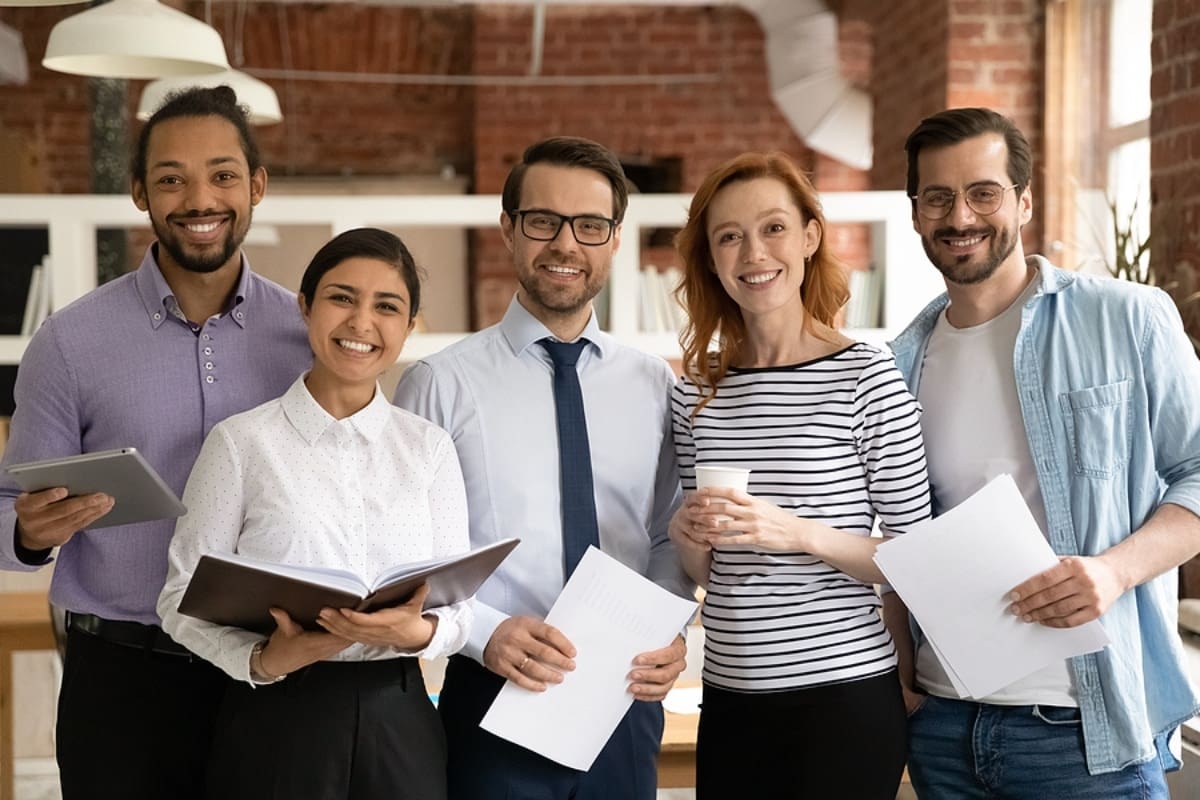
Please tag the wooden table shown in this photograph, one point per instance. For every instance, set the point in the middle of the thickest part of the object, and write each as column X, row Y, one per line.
column 677, row 758
column 24, row 625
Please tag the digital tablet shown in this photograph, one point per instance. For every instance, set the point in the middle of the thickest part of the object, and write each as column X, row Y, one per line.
column 139, row 493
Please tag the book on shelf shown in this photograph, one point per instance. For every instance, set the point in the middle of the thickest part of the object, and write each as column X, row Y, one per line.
column 659, row 311
column 865, row 307
column 37, row 298
column 232, row 589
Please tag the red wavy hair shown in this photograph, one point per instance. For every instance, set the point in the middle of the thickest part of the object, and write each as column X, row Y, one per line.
column 711, row 312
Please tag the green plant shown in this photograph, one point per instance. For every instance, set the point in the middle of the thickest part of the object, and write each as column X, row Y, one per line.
column 1132, row 260
column 1171, row 267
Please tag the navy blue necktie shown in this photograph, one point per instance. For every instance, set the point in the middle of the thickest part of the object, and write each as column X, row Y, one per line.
column 574, row 455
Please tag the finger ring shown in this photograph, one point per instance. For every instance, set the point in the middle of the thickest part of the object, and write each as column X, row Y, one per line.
column 524, row 661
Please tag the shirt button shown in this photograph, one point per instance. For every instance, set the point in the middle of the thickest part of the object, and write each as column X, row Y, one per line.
column 209, row 379
column 157, row 315
column 205, row 337
column 208, row 365
column 208, row 351
column 238, row 314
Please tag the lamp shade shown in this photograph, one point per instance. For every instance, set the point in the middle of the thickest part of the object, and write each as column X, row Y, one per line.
column 134, row 39
column 39, row 2
column 257, row 96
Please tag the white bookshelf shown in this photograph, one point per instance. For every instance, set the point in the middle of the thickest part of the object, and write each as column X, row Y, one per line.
column 72, row 221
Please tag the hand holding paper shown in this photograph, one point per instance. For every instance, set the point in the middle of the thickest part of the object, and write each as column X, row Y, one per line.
column 955, row 574
column 1076, row 590
column 611, row 615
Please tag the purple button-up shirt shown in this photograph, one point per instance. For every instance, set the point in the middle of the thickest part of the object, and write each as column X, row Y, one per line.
column 117, row 368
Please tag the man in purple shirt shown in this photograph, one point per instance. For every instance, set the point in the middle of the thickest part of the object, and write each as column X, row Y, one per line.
column 151, row 360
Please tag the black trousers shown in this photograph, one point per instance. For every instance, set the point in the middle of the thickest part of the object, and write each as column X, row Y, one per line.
column 134, row 724
column 486, row 767
column 843, row 740
column 332, row 731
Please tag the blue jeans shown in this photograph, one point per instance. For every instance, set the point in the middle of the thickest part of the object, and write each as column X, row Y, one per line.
column 961, row 750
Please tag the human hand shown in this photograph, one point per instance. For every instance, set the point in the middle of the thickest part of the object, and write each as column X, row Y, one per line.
column 1078, row 589
column 404, row 627
column 725, row 516
column 655, row 672
column 913, row 700
column 49, row 518
column 529, row 653
column 686, row 523
column 291, row 647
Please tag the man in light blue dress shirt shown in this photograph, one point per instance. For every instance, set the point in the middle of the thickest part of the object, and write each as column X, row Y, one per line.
column 493, row 392
column 1084, row 390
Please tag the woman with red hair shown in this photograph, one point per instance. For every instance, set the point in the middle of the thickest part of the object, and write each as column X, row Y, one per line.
column 800, row 672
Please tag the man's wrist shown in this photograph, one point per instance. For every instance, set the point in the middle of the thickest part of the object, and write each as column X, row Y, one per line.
column 28, row 555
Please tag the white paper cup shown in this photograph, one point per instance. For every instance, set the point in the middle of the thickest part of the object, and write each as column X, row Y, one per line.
column 723, row 477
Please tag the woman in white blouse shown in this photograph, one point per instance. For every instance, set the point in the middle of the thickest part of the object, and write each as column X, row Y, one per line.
column 331, row 474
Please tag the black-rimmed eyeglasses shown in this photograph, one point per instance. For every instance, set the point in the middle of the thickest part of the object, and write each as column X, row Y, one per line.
column 982, row 198
column 543, row 226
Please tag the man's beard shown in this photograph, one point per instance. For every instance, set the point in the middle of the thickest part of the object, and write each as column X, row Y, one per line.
column 960, row 270
column 559, row 299
column 208, row 260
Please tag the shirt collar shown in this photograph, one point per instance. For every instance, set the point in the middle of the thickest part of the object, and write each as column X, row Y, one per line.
column 521, row 329
column 311, row 420
column 155, row 292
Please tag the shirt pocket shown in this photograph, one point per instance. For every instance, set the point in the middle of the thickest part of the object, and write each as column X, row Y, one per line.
column 1098, row 430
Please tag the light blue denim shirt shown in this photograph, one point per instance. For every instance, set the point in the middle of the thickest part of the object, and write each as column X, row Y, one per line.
column 1109, row 388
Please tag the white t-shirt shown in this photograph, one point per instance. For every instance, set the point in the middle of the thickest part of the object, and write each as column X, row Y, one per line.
column 973, row 432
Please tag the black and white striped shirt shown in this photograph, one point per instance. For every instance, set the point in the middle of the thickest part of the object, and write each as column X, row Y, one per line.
column 837, row 439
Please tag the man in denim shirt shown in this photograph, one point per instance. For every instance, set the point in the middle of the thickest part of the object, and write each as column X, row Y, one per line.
column 1085, row 391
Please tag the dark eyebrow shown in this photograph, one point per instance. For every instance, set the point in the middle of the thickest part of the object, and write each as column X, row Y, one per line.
column 212, row 162
column 345, row 287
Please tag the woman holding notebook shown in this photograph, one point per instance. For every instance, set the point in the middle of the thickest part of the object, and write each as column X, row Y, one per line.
column 801, row 696
column 332, row 475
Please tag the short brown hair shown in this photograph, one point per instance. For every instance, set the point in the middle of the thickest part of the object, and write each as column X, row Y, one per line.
column 568, row 151
column 958, row 124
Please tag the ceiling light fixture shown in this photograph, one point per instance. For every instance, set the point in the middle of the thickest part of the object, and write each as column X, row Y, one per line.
column 134, row 39
column 257, row 96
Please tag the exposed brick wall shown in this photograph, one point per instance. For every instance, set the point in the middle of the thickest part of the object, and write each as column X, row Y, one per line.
column 909, row 81
column 359, row 128
column 52, row 109
column 1175, row 153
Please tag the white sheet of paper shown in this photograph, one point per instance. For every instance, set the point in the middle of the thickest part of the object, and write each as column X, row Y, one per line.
column 953, row 573
column 611, row 614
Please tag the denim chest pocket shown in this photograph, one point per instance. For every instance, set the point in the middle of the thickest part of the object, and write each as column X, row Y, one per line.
column 1097, row 421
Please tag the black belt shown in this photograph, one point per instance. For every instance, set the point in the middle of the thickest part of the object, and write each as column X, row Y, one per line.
column 127, row 634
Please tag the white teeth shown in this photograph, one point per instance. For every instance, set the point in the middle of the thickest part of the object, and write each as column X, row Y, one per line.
column 974, row 240
column 761, row 277
column 557, row 270
column 205, row 228
column 358, row 347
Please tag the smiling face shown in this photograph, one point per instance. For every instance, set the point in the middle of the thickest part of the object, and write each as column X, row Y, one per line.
column 199, row 192
column 357, row 324
column 967, row 247
column 560, row 277
column 759, row 240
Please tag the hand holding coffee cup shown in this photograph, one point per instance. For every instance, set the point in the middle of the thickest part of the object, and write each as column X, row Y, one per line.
column 717, row 476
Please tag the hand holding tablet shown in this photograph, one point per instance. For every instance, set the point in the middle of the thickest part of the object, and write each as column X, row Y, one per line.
column 138, row 493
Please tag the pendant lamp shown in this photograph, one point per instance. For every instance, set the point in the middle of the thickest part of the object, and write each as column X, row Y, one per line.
column 257, row 96
column 134, row 39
